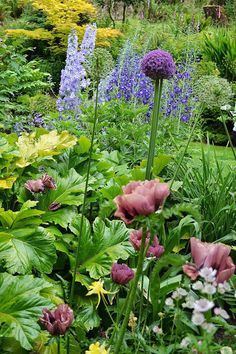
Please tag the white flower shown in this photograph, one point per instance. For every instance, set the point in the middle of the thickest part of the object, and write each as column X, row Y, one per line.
column 221, row 312
column 198, row 318
column 209, row 327
column 189, row 302
column 157, row 330
column 185, row 342
column 223, row 287
column 198, row 285
column 175, row 295
column 203, row 305
column 209, row 289
column 169, row 302
column 208, row 274
column 181, row 291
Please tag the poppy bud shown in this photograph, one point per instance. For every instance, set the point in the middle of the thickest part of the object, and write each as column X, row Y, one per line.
column 58, row 321
column 35, row 186
column 54, row 206
column 48, row 182
column 121, row 273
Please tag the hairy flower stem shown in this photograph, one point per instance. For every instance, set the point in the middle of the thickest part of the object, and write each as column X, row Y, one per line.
column 83, row 206
column 155, row 118
column 131, row 298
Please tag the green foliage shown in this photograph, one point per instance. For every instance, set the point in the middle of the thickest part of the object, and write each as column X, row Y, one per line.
column 21, row 306
column 212, row 93
column 221, row 48
column 101, row 246
column 17, row 78
column 23, row 245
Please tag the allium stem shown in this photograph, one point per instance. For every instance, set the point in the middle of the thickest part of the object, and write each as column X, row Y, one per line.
column 155, row 118
column 83, row 206
column 131, row 298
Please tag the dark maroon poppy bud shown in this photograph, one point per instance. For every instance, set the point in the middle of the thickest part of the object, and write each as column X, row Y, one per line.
column 58, row 321
column 54, row 206
column 154, row 250
column 48, row 182
column 121, row 273
column 35, row 186
column 140, row 198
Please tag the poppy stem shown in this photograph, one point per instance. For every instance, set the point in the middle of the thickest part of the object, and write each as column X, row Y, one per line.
column 154, row 125
column 59, row 345
column 131, row 297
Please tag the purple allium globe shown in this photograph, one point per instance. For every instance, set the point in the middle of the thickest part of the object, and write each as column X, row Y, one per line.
column 158, row 64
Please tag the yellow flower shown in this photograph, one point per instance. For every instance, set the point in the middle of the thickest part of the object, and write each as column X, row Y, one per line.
column 97, row 289
column 96, row 349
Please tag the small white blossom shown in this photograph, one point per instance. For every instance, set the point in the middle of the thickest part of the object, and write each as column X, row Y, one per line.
column 169, row 301
column 157, row 330
column 198, row 318
column 189, row 302
column 221, row 312
column 175, row 295
column 181, row 292
column 209, row 274
column 203, row 305
column 209, row 327
column 223, row 287
column 198, row 285
column 185, row 342
column 209, row 289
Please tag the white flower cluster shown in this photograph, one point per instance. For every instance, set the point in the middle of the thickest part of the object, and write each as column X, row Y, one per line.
column 196, row 301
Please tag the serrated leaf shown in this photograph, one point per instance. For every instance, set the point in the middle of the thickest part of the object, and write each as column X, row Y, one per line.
column 99, row 248
column 87, row 318
column 61, row 217
column 20, row 307
column 21, row 250
column 69, row 191
column 32, row 148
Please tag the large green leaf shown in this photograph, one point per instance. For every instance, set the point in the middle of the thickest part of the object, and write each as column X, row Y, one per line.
column 69, row 190
column 107, row 242
column 20, row 307
column 61, row 217
column 21, row 250
column 33, row 148
column 19, row 219
column 87, row 318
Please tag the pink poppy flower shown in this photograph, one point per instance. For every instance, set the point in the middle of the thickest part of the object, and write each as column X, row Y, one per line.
column 210, row 255
column 35, row 186
column 140, row 198
column 121, row 273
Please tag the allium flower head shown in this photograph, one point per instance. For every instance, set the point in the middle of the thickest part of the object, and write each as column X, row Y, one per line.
column 140, row 198
column 121, row 273
column 158, row 64
column 58, row 321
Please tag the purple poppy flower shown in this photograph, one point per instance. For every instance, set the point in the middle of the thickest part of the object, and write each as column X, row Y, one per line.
column 58, row 321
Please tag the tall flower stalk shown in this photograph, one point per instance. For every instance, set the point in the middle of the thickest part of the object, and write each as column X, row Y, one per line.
column 73, row 77
column 157, row 65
